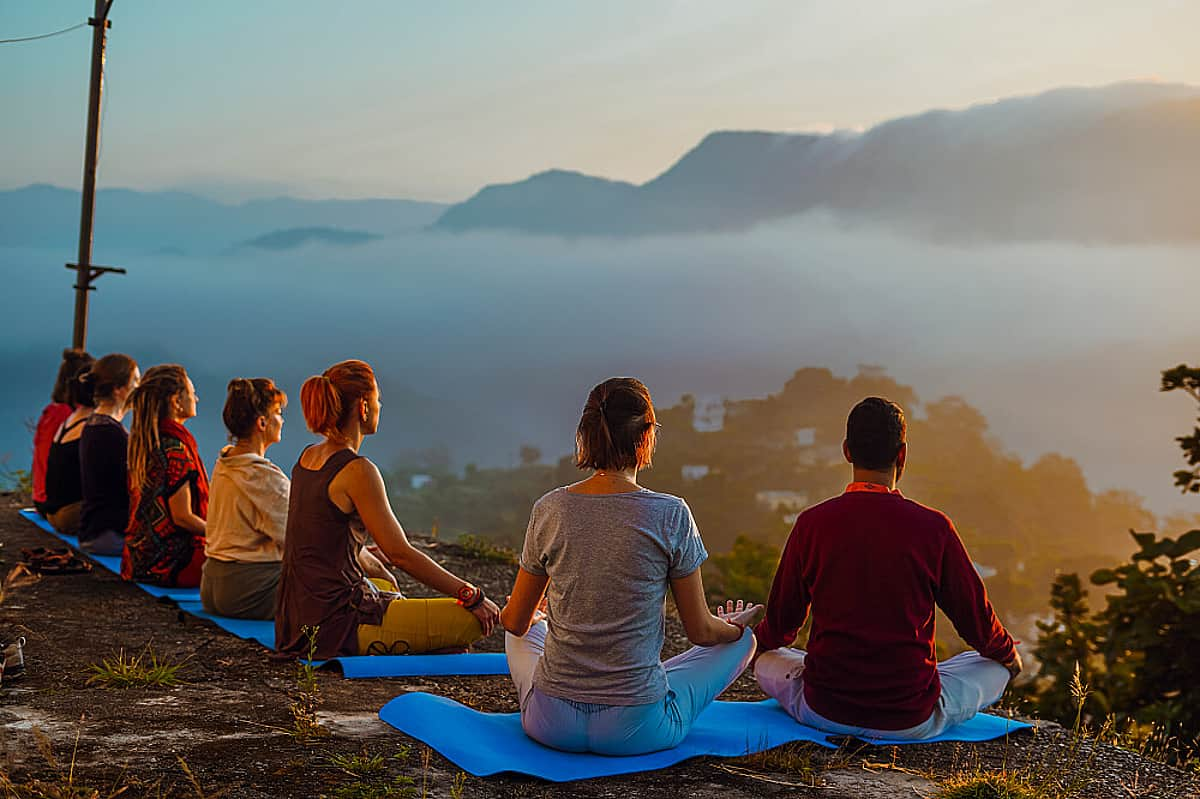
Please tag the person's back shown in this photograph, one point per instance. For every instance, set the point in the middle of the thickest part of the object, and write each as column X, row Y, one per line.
column 103, row 456
column 51, row 419
column 64, row 492
column 872, row 565
column 104, row 478
column 168, row 497
column 584, row 624
column 331, row 583
column 247, row 507
column 875, row 564
column 322, row 584
column 610, row 559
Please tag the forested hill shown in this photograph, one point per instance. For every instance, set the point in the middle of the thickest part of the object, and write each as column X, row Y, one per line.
column 769, row 457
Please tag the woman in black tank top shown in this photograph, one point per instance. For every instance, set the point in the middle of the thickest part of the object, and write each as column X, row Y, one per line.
column 64, row 489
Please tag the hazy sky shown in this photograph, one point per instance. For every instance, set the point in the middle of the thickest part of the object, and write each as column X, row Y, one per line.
column 434, row 100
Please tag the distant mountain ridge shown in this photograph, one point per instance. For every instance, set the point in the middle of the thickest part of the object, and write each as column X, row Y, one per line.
column 1115, row 164
column 180, row 223
column 292, row 238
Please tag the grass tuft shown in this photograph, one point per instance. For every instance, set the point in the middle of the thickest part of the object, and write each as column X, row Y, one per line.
column 135, row 671
column 306, row 697
column 480, row 548
column 1001, row 785
column 370, row 776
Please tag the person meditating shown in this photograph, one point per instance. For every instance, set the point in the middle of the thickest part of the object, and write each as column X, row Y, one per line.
column 338, row 498
column 103, row 456
column 51, row 418
column 64, row 494
column 872, row 565
column 584, row 625
column 247, row 506
column 168, row 486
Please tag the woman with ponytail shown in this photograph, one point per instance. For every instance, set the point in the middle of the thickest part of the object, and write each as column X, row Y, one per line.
column 585, row 620
column 64, row 494
column 103, row 457
column 168, row 486
column 247, row 509
column 338, row 498
column 51, row 418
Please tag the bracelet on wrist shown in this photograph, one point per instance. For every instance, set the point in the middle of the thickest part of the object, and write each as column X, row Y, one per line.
column 479, row 598
column 470, row 597
column 741, row 628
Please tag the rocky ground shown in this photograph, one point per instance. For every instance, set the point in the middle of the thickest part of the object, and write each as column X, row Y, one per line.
column 227, row 729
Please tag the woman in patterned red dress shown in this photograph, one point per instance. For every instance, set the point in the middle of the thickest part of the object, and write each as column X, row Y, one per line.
column 168, row 486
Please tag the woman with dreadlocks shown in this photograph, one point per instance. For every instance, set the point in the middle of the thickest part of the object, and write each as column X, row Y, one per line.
column 168, row 486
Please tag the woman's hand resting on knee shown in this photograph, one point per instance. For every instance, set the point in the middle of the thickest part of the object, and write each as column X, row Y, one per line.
column 488, row 614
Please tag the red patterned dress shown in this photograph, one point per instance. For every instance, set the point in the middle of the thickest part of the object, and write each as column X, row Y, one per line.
column 156, row 550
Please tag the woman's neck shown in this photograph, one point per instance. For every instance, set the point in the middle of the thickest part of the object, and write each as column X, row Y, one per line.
column 612, row 481
column 111, row 408
column 255, row 445
column 628, row 475
column 346, row 438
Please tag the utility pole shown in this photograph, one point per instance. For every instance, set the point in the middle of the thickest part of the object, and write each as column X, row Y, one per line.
column 85, row 271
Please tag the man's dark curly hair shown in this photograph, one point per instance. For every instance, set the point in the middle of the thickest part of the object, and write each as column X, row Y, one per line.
column 875, row 430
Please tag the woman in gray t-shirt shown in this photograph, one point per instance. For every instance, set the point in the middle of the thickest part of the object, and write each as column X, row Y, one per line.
column 585, row 620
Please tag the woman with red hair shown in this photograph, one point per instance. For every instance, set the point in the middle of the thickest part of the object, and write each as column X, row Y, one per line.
column 330, row 581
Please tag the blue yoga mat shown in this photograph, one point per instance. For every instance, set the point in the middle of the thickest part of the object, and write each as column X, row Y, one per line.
column 479, row 663
column 359, row 667
column 264, row 631
column 251, row 629
column 983, row 727
column 491, row 743
column 112, row 562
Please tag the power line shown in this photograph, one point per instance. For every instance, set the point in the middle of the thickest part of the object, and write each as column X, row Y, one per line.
column 44, row 35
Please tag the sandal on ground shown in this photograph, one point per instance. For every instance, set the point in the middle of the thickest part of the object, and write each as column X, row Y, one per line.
column 54, row 561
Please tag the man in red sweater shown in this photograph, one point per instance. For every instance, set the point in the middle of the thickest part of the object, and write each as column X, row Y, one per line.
column 871, row 565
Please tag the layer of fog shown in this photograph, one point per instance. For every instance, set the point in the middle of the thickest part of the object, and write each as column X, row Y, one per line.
column 486, row 342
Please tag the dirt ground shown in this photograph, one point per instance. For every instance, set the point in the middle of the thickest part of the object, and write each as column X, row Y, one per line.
column 229, row 722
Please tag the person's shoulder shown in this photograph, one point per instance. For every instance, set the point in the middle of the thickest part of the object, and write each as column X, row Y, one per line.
column 553, row 498
column 927, row 515
column 101, row 424
column 823, row 509
column 355, row 466
column 170, row 443
column 271, row 466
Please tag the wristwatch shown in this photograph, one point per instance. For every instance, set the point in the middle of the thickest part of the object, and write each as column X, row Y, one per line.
column 470, row 597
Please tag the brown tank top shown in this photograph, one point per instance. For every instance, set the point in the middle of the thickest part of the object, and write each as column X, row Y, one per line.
column 322, row 584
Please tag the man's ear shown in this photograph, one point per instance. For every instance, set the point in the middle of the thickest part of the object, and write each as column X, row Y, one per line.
column 901, row 456
column 846, row 451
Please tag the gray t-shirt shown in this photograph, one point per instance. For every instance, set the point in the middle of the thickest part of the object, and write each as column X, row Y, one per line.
column 610, row 559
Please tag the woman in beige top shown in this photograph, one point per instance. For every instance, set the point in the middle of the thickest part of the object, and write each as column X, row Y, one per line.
column 247, row 510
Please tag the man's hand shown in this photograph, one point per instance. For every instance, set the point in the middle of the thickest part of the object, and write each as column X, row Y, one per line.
column 1013, row 665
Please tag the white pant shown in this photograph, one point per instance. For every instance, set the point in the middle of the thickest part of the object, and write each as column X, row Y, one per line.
column 970, row 682
column 694, row 679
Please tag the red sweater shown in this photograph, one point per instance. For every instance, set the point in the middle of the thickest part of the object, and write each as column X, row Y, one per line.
column 872, row 565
